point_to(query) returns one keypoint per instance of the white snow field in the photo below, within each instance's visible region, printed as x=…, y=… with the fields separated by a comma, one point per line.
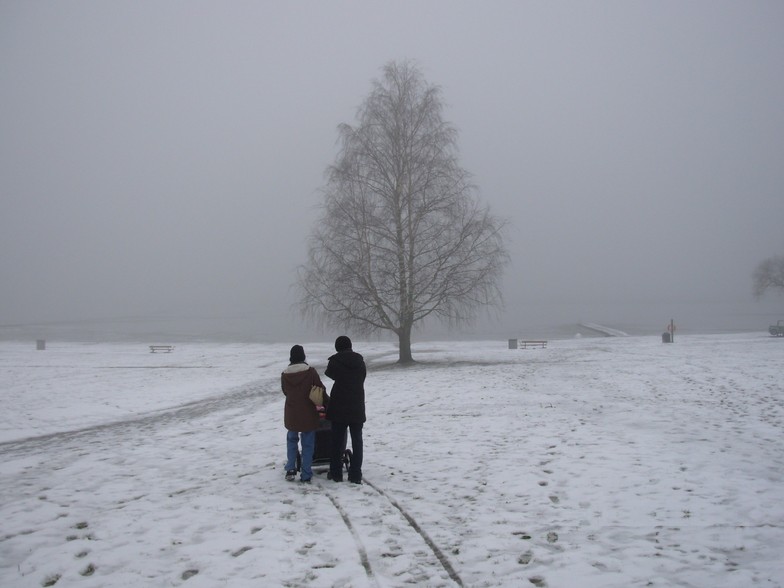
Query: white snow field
x=598, y=462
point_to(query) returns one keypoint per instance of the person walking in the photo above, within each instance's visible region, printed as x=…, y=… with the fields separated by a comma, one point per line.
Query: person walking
x=346, y=410
x=299, y=414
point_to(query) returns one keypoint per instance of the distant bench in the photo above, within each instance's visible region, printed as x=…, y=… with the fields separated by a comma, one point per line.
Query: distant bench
x=532, y=344
x=526, y=344
x=161, y=348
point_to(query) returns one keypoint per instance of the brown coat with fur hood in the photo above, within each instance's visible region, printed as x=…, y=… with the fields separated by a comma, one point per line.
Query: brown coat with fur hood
x=299, y=413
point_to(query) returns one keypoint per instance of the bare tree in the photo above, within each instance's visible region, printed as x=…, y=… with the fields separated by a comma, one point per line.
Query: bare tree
x=769, y=274
x=401, y=236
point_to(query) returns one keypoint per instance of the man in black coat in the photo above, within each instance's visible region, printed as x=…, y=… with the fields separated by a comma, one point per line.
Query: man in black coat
x=346, y=408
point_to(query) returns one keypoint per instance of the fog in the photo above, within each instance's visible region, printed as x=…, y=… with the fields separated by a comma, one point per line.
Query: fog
x=162, y=161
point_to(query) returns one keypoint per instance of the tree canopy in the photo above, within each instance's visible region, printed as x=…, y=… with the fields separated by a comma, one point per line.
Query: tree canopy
x=769, y=274
x=402, y=236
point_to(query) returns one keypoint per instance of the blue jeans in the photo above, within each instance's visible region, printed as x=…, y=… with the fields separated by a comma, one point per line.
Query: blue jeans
x=308, y=445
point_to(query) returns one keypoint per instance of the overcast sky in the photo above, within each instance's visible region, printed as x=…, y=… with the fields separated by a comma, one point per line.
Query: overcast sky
x=165, y=158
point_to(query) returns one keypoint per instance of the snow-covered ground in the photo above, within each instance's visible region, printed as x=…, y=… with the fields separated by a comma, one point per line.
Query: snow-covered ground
x=606, y=462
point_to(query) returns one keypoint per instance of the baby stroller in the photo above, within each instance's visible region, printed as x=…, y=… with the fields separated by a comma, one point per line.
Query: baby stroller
x=323, y=448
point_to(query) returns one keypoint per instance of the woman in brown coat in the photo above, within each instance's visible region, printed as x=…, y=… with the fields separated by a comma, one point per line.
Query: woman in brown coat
x=299, y=414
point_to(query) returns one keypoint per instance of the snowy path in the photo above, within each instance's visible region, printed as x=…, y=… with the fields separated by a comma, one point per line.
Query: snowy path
x=118, y=473
x=76, y=489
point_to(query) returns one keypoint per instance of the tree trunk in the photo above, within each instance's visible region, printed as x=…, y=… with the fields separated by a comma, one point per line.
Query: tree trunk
x=404, y=337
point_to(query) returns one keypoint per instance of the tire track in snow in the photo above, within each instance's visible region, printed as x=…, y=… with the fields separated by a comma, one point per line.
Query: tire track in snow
x=363, y=556
x=433, y=552
x=430, y=543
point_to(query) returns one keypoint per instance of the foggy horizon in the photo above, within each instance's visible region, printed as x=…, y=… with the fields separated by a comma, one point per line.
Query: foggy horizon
x=163, y=162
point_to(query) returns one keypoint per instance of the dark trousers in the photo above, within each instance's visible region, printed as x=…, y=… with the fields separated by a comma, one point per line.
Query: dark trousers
x=339, y=444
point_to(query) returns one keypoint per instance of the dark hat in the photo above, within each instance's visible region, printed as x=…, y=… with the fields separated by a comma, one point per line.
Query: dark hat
x=342, y=343
x=297, y=354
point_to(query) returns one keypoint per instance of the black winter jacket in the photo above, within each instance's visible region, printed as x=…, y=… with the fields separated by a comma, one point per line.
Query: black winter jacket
x=347, y=398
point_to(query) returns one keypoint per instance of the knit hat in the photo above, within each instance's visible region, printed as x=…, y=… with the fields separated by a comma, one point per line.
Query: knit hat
x=342, y=343
x=297, y=354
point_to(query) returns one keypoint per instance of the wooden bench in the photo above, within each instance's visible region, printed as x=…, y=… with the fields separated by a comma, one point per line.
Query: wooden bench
x=162, y=348
x=523, y=344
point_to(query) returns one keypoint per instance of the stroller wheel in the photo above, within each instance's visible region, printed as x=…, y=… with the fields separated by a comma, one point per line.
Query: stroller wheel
x=347, y=455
